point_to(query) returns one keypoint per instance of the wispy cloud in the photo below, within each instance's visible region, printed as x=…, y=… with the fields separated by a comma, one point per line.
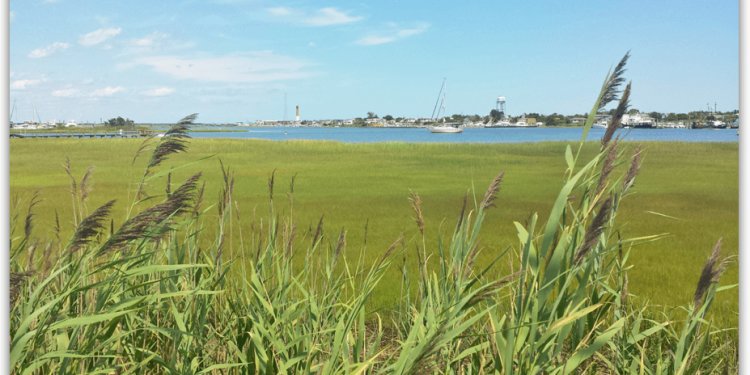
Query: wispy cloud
x=48, y=50
x=156, y=41
x=98, y=36
x=249, y=67
x=391, y=34
x=22, y=84
x=106, y=91
x=328, y=16
x=66, y=92
x=159, y=91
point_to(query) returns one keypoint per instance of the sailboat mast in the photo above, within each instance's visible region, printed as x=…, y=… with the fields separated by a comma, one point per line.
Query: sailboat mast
x=434, y=109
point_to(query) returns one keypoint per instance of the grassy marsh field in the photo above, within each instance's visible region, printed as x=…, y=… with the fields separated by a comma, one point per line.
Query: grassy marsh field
x=687, y=190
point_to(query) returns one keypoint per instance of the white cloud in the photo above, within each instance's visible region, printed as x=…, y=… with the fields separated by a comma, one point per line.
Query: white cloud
x=150, y=40
x=330, y=16
x=65, y=93
x=375, y=40
x=159, y=91
x=22, y=84
x=321, y=17
x=98, y=36
x=280, y=11
x=392, y=34
x=106, y=91
x=48, y=50
x=249, y=67
x=154, y=42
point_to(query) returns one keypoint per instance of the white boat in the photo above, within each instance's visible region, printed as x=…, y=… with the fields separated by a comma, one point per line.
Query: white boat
x=601, y=124
x=445, y=128
x=442, y=128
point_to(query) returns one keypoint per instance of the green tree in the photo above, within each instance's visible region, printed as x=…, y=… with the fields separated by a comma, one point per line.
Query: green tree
x=371, y=115
x=496, y=115
x=120, y=122
x=388, y=118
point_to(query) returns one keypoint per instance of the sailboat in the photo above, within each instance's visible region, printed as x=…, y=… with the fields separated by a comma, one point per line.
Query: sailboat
x=443, y=127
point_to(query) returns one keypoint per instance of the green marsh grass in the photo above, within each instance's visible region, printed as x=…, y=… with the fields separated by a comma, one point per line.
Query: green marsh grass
x=415, y=266
x=352, y=185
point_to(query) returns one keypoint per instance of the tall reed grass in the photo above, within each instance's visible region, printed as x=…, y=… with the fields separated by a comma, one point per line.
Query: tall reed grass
x=146, y=296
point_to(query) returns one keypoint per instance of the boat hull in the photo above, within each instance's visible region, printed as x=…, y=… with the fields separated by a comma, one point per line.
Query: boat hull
x=445, y=130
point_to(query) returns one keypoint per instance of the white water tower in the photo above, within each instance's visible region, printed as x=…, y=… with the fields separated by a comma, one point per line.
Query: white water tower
x=500, y=104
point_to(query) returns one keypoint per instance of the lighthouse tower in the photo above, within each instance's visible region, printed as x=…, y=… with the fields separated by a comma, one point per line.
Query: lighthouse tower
x=296, y=116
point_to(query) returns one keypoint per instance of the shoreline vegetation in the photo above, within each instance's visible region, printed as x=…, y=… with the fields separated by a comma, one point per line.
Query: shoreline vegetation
x=212, y=256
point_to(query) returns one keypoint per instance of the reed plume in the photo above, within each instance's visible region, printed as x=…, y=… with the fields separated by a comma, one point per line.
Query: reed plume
x=173, y=141
x=492, y=190
x=168, y=187
x=635, y=166
x=616, y=120
x=595, y=229
x=613, y=82
x=90, y=226
x=416, y=205
x=462, y=213
x=199, y=200
x=149, y=223
x=85, y=185
x=17, y=280
x=29, y=221
x=391, y=249
x=607, y=166
x=271, y=183
x=712, y=270
x=318, y=232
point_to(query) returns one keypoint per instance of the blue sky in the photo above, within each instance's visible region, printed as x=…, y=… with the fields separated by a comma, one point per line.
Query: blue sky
x=236, y=60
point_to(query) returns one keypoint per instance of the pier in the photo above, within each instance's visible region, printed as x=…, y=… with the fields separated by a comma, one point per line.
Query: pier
x=120, y=134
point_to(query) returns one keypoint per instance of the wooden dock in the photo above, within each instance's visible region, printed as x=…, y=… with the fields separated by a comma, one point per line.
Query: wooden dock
x=121, y=134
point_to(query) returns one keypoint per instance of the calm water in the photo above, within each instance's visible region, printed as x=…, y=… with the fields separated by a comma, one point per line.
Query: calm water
x=472, y=135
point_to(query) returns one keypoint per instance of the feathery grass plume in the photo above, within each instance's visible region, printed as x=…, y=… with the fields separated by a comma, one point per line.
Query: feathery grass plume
x=90, y=226
x=270, y=184
x=291, y=184
x=144, y=145
x=57, y=228
x=16, y=282
x=616, y=120
x=491, y=193
x=85, y=185
x=367, y=228
x=318, y=232
x=712, y=270
x=225, y=200
x=595, y=229
x=340, y=244
x=148, y=223
x=416, y=205
x=69, y=172
x=173, y=141
x=609, y=163
x=29, y=221
x=290, y=241
x=199, y=200
x=635, y=166
x=613, y=82
x=388, y=252
x=168, y=188
x=462, y=214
